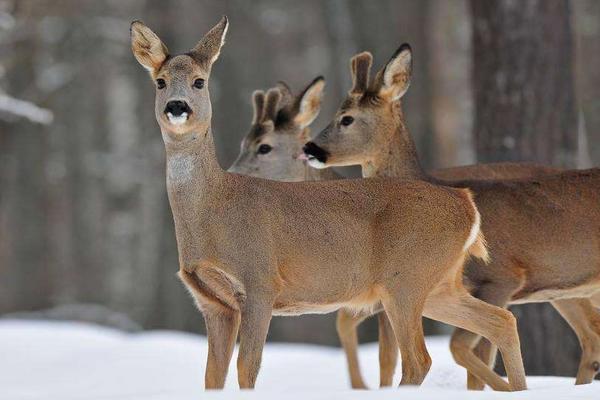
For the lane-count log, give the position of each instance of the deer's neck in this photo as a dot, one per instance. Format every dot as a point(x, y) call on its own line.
point(399, 157)
point(192, 168)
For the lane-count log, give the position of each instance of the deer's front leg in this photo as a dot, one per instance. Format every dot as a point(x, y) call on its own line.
point(255, 320)
point(404, 311)
point(388, 350)
point(222, 325)
point(346, 328)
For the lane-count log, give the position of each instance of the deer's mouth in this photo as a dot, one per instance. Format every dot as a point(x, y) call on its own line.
point(178, 119)
point(314, 155)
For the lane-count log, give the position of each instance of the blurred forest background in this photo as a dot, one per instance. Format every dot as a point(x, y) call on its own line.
point(85, 227)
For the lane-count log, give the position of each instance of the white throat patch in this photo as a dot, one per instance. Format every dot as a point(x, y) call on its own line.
point(180, 167)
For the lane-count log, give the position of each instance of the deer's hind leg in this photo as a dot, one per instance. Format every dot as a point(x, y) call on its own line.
point(494, 323)
point(585, 321)
point(496, 294)
point(346, 325)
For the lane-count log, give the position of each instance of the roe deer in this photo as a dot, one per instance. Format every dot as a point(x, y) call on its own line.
point(280, 127)
point(544, 232)
point(270, 150)
point(250, 248)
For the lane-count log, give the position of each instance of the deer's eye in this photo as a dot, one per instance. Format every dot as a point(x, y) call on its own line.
point(199, 83)
point(160, 83)
point(347, 120)
point(264, 149)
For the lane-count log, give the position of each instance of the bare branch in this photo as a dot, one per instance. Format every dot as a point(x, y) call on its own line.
point(25, 109)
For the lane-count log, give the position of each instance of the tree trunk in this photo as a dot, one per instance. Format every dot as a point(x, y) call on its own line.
point(587, 23)
point(525, 111)
point(449, 44)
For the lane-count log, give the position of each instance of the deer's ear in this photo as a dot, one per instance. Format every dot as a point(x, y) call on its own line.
point(394, 79)
point(147, 48)
point(309, 102)
point(209, 47)
point(258, 101)
point(272, 100)
point(360, 69)
point(287, 98)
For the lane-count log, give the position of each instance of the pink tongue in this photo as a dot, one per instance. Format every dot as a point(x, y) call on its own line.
point(303, 157)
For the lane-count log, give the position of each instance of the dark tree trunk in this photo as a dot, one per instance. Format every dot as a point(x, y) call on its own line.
point(525, 111)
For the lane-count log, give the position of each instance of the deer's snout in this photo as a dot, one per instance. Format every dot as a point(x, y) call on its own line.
point(177, 108)
point(316, 156)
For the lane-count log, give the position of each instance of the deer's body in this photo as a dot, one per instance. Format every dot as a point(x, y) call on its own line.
point(543, 231)
point(249, 247)
point(220, 219)
point(546, 235)
point(285, 141)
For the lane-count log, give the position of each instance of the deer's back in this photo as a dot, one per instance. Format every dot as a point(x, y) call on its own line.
point(493, 171)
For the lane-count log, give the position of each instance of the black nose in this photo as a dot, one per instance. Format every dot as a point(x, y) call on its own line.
point(312, 150)
point(177, 107)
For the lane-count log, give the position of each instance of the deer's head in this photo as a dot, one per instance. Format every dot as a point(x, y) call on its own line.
point(369, 115)
point(278, 132)
point(182, 103)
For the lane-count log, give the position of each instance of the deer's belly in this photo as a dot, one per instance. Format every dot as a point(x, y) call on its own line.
point(300, 308)
point(556, 293)
point(367, 301)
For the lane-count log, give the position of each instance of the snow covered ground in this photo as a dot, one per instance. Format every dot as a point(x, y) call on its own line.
point(68, 361)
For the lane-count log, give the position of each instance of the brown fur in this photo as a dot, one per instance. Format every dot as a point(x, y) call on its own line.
point(543, 232)
point(265, 247)
point(283, 165)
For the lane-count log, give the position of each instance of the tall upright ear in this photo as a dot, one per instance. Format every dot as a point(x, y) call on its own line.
point(360, 68)
point(147, 48)
point(209, 47)
point(258, 101)
point(272, 104)
point(394, 79)
point(287, 98)
point(308, 103)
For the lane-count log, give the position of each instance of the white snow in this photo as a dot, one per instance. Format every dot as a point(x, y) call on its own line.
point(68, 361)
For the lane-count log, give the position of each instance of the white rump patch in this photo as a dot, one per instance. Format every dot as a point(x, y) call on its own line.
point(474, 231)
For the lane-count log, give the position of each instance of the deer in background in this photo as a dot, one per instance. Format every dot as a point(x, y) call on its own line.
point(280, 127)
point(250, 248)
point(543, 231)
point(272, 149)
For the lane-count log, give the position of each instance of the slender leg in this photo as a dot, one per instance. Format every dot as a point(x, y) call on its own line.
point(255, 320)
point(346, 328)
point(388, 351)
point(497, 294)
point(404, 312)
point(222, 325)
point(585, 321)
point(496, 324)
